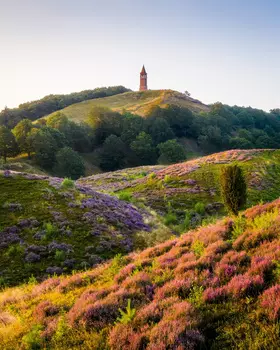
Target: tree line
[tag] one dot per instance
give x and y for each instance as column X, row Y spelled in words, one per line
column 52, row 103
column 122, row 140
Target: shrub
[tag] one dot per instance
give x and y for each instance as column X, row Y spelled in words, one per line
column 125, row 196
column 233, row 187
column 170, row 219
column 197, row 247
column 270, row 301
column 60, row 255
column 128, row 315
column 67, row 184
column 200, row 208
column 33, row 340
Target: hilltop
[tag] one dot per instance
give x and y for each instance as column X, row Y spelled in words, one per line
column 49, row 226
column 137, row 102
column 214, row 288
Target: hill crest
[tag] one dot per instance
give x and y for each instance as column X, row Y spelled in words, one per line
column 138, row 102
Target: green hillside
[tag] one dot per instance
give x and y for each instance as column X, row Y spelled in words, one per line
column 214, row 288
column 139, row 102
column 48, row 226
column 177, row 189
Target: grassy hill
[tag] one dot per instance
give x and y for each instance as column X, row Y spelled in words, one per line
column 214, row 288
column 48, row 226
column 139, row 102
column 176, row 189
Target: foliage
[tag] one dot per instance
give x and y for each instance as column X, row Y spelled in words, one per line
column 8, row 145
column 36, row 109
column 67, row 183
column 68, row 163
column 128, row 315
column 198, row 290
column 234, row 189
column 113, row 153
column 144, row 149
column 171, row 152
column 22, row 132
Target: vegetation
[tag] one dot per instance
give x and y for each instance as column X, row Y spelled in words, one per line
column 36, row 109
column 8, row 146
column 111, row 134
column 68, row 163
column 49, row 226
column 204, row 289
column 234, row 189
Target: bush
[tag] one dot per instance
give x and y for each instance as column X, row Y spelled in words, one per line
column 67, row 183
column 233, row 187
column 125, row 196
column 170, row 219
column 200, row 208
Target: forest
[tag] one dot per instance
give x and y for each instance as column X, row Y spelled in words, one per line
column 121, row 140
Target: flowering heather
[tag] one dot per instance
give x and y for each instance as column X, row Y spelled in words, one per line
column 171, row 296
column 211, row 295
column 47, row 238
column 180, row 288
column 242, row 285
column 270, row 301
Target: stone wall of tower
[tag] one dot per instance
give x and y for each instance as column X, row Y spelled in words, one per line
column 143, row 82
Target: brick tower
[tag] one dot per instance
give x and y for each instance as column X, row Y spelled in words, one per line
column 143, row 80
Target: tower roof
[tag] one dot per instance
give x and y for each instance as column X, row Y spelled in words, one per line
column 143, row 71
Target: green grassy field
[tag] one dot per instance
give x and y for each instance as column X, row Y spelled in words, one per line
column 136, row 102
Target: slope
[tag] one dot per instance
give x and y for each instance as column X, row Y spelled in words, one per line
column 181, row 186
column 139, row 102
column 48, row 226
column 214, row 288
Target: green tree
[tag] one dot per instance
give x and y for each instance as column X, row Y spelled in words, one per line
column 159, row 129
column 233, row 188
column 8, row 145
column 21, row 132
column 144, row 149
column 113, row 154
column 240, row 143
column 132, row 126
column 105, row 122
column 46, row 147
column 69, row 163
column 171, row 152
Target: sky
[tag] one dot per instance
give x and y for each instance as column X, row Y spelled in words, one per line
column 218, row 50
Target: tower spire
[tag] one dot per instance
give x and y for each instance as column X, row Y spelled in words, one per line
column 143, row 79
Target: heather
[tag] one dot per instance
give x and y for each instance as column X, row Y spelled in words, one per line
column 215, row 287
column 53, row 226
column 188, row 194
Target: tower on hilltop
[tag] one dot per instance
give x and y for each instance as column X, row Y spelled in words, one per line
column 143, row 80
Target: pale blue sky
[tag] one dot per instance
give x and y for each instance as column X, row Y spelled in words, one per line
column 219, row 50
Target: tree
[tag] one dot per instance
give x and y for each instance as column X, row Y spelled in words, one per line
column 159, row 129
column 69, row 163
column 233, row 188
column 132, row 126
column 143, row 147
column 8, row 145
column 113, row 153
column 105, row 122
column 45, row 147
column 21, row 132
column 171, row 152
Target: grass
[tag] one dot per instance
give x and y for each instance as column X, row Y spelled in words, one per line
column 139, row 102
